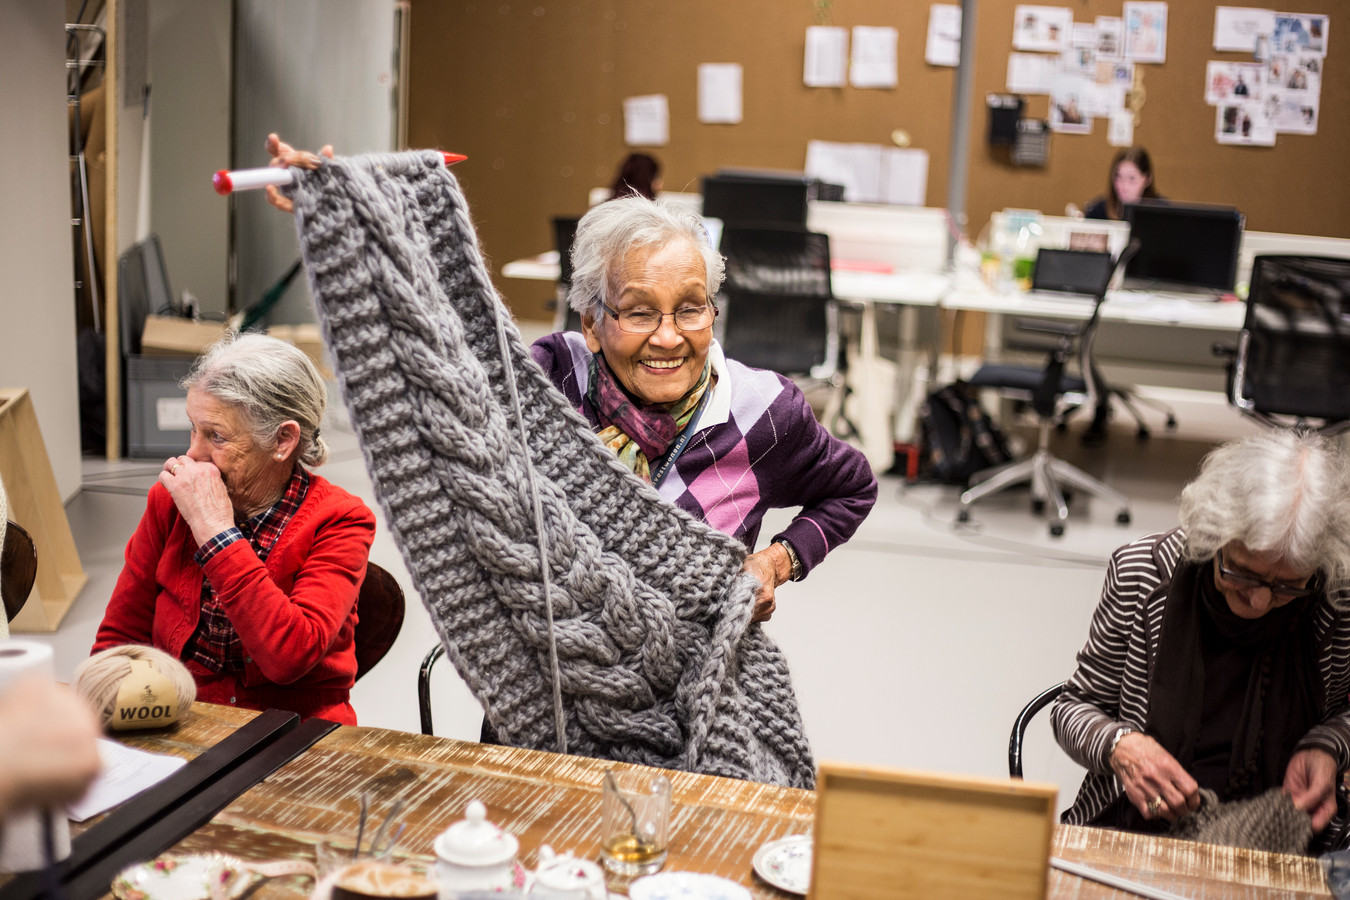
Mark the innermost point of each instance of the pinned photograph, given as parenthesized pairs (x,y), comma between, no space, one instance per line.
(1293,112)
(1146,32)
(1042,28)
(1068,110)
(1110,37)
(1296,33)
(1080,59)
(1225,81)
(1245,122)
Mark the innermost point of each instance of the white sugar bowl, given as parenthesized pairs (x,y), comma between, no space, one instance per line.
(564,877)
(475,855)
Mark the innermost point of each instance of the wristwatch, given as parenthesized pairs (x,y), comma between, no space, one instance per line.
(796,573)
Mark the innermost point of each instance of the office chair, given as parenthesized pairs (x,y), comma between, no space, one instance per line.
(1291,365)
(424,685)
(778,309)
(1019,729)
(379,610)
(1053,395)
(564,233)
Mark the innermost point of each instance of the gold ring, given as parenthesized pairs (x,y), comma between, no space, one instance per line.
(1155,805)
(174,470)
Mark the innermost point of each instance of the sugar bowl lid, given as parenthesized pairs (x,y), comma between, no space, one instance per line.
(474,841)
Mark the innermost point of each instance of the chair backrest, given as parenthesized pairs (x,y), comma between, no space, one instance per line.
(424,685)
(1294,351)
(1019,729)
(778,307)
(18,569)
(380,609)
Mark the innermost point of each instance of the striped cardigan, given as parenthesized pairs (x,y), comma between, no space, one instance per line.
(1110,686)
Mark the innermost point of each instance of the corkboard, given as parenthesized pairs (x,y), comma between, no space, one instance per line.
(533,93)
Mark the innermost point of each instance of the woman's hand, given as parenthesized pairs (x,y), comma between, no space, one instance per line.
(1310,781)
(283,154)
(48,745)
(200,496)
(1150,774)
(772,567)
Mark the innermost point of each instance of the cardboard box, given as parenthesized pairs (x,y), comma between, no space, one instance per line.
(176,336)
(309,338)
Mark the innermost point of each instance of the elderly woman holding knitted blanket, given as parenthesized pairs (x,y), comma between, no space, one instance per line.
(1219,657)
(245,565)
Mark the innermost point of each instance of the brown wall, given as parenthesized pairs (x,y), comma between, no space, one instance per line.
(533,92)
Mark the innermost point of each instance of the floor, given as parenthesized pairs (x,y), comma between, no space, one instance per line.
(914,645)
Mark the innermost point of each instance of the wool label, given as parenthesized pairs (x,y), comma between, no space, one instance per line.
(145,699)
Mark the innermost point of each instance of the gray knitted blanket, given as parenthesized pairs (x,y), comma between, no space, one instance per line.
(1268,821)
(634,642)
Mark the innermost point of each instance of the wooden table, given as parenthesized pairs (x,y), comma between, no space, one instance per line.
(717,823)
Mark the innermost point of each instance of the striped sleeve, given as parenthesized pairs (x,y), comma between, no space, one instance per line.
(1333,633)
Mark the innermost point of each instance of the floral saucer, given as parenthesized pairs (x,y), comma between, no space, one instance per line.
(207,876)
(786,863)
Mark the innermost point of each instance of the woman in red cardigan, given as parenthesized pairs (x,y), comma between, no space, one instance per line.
(245,565)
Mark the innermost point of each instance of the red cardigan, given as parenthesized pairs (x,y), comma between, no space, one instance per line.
(296,614)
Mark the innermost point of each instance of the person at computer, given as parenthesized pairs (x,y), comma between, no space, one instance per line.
(1131,180)
(639,175)
(1216,658)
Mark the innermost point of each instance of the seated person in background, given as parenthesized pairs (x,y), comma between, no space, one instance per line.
(245,566)
(639,175)
(48,746)
(1131,180)
(1216,657)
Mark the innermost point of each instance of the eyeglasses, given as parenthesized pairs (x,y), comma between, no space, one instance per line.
(646,321)
(1251,582)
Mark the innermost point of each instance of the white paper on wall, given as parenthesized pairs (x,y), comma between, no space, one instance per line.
(646,121)
(1120,129)
(1236,28)
(719,93)
(826,57)
(1299,33)
(1068,102)
(1031,73)
(1084,35)
(1044,29)
(1225,81)
(904,176)
(874,57)
(1146,31)
(944,35)
(1110,38)
(855,166)
(1246,122)
(1293,113)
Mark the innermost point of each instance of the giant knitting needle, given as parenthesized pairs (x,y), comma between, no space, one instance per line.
(1115,881)
(251,179)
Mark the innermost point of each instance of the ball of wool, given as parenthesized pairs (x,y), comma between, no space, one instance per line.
(99,677)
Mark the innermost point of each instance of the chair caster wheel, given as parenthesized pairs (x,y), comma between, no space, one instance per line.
(963,515)
(1123,517)
(1038,506)
(1057,529)
(1142,434)
(1171,423)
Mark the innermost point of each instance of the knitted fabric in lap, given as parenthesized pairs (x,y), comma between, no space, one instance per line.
(658,661)
(1269,821)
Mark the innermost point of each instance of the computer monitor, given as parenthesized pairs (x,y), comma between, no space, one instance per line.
(746,199)
(142,290)
(1183,246)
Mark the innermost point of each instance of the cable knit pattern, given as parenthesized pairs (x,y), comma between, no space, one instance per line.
(657,661)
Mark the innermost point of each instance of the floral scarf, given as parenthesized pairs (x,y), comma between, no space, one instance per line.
(638,435)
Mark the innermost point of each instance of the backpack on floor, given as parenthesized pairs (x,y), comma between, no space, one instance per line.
(957,437)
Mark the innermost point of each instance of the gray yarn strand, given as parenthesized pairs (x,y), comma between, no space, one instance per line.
(581,609)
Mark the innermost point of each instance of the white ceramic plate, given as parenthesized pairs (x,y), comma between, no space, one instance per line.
(181,878)
(684,886)
(786,863)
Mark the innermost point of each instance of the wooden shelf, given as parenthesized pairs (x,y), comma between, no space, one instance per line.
(35,503)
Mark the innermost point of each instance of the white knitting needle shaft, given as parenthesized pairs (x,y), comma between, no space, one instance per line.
(252,179)
(1120,884)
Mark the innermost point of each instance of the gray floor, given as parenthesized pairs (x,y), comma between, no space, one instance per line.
(914,645)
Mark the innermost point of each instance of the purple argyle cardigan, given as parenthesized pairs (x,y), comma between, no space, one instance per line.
(758,447)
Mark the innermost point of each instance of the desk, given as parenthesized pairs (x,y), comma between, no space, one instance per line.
(716,825)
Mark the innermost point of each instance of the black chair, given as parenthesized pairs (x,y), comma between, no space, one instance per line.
(778,308)
(1291,366)
(18,569)
(1019,729)
(424,685)
(564,233)
(1053,395)
(380,609)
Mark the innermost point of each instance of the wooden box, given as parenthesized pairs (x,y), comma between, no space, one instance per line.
(893,833)
(35,503)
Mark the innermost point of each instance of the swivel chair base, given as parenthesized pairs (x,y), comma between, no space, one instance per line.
(1096,432)
(1046,473)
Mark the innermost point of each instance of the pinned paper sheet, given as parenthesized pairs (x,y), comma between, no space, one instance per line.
(944,35)
(1237,28)
(871,173)
(1042,28)
(1031,73)
(646,121)
(874,57)
(1146,31)
(826,57)
(1110,38)
(1120,129)
(719,93)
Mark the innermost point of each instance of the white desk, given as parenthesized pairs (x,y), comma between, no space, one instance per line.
(1139,308)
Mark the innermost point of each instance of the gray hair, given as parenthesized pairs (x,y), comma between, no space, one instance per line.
(270,382)
(607,234)
(1280,492)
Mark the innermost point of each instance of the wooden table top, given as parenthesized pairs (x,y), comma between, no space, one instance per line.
(717,824)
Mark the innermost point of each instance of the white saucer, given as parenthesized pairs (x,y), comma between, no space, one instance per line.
(786,863)
(181,878)
(685,885)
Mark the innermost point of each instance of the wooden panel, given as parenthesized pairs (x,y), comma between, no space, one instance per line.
(35,503)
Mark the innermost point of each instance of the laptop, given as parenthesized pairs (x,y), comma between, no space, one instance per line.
(1071,272)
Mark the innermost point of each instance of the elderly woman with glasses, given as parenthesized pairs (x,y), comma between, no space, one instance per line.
(245,565)
(722,441)
(1219,656)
